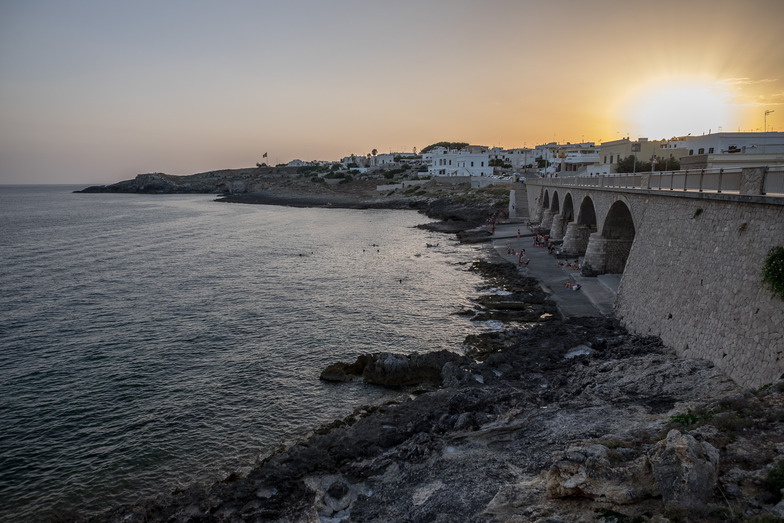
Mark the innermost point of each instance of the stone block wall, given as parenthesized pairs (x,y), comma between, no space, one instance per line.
(576,238)
(693,278)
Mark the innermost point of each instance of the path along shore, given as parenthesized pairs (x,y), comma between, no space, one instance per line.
(596,295)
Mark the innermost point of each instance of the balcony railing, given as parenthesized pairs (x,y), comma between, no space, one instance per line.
(719,181)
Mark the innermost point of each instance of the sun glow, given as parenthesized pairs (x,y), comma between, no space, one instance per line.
(679,108)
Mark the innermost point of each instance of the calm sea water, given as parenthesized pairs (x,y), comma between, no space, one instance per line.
(149,342)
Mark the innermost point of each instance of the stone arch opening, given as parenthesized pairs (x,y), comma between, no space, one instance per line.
(587,214)
(562,219)
(555,207)
(578,232)
(548,205)
(568,209)
(610,250)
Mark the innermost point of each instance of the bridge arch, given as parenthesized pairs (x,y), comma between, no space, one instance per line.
(608,250)
(555,205)
(551,208)
(562,219)
(579,231)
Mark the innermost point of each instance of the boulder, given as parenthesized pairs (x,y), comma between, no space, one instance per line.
(394,370)
(598,473)
(686,470)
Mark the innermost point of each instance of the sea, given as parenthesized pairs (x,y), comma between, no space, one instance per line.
(150,342)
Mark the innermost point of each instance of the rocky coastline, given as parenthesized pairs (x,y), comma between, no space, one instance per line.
(550,419)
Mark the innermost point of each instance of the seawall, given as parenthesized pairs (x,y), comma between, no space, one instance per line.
(693,278)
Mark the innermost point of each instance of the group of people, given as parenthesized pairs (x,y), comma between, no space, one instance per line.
(540,240)
(522,259)
(575,265)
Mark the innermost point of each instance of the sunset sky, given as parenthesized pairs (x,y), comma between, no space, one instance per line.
(98,91)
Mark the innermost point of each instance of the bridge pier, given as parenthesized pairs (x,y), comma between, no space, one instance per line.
(607,255)
(576,238)
(557,227)
(547,219)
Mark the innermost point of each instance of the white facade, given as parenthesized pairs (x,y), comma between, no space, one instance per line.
(729,143)
(473,160)
(393,158)
(518,158)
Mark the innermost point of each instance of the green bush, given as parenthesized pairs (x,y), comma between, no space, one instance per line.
(689,418)
(775,480)
(773,271)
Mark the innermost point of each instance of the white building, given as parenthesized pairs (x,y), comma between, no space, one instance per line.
(729,143)
(519,158)
(473,160)
(393,159)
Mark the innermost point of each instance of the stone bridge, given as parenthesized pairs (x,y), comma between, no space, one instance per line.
(690,246)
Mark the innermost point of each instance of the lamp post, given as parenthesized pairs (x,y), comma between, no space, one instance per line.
(766,118)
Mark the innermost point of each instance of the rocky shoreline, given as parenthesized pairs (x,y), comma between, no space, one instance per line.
(546,420)
(559,420)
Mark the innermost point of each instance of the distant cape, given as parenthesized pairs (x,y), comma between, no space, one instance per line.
(225,181)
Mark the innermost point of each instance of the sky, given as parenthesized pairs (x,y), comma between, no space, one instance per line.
(97,91)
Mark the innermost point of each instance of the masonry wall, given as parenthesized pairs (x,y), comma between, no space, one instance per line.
(693,279)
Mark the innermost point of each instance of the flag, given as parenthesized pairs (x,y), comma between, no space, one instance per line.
(264,155)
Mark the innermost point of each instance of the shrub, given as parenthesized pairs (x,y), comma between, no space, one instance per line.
(689,418)
(773,271)
(775,479)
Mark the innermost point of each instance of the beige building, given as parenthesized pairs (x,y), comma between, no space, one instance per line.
(612,152)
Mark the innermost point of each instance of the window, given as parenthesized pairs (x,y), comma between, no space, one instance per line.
(710,151)
(472,164)
(483,164)
(691,152)
(611,158)
(605,158)
(701,150)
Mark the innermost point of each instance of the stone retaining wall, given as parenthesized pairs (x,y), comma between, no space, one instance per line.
(693,275)
(693,279)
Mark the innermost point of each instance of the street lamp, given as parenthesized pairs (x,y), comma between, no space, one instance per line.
(766,119)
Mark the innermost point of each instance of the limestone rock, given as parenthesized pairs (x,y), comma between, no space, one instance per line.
(394,370)
(596,472)
(686,470)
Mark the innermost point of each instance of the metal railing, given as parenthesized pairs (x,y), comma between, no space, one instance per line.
(719,181)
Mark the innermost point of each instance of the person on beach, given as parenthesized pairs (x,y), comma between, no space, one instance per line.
(518,234)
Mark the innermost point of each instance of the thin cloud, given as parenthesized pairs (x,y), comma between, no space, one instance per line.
(735,82)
